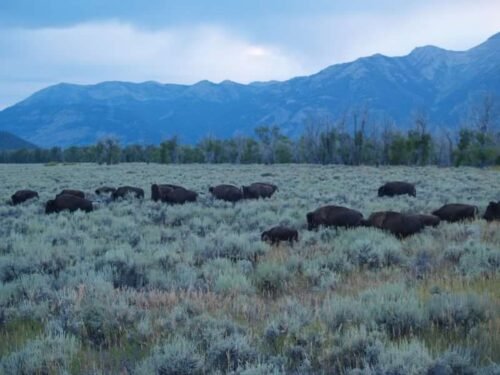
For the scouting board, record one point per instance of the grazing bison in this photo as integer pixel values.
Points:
(229, 193)
(68, 202)
(280, 233)
(334, 216)
(172, 194)
(429, 220)
(258, 190)
(492, 211)
(105, 190)
(157, 191)
(76, 193)
(123, 191)
(400, 225)
(456, 212)
(21, 196)
(391, 189)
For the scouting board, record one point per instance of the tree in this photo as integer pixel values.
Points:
(169, 151)
(108, 151)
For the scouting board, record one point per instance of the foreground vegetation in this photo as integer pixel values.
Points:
(141, 287)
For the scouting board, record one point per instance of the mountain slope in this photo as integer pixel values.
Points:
(438, 81)
(9, 142)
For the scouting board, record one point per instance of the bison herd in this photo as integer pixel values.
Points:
(399, 224)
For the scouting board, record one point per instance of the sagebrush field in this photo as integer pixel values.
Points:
(140, 287)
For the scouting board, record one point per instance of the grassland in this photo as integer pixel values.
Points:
(141, 287)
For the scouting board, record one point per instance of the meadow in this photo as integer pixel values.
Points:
(138, 287)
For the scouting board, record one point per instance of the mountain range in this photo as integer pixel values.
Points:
(10, 142)
(440, 82)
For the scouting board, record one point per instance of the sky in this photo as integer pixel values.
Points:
(44, 42)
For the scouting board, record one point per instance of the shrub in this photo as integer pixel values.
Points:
(410, 358)
(178, 357)
(356, 348)
(44, 355)
(453, 362)
(271, 278)
(343, 312)
(206, 330)
(460, 310)
(394, 308)
(229, 353)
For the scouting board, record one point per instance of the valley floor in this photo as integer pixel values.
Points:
(143, 287)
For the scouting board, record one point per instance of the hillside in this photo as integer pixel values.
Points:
(9, 142)
(439, 81)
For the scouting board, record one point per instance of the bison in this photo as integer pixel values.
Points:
(334, 216)
(492, 211)
(68, 202)
(76, 193)
(400, 225)
(456, 212)
(258, 190)
(105, 190)
(123, 191)
(21, 196)
(172, 194)
(429, 220)
(157, 191)
(280, 233)
(391, 189)
(229, 193)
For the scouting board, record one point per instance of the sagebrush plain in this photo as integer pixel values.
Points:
(141, 287)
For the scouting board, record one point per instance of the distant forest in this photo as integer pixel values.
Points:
(322, 142)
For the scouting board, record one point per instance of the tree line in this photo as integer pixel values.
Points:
(352, 140)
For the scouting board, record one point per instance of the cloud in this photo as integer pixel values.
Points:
(261, 45)
(93, 52)
(329, 38)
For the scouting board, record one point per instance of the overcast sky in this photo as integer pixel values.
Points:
(43, 42)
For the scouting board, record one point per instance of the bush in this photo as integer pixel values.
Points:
(394, 308)
(271, 278)
(44, 355)
(407, 358)
(229, 353)
(453, 362)
(449, 310)
(356, 348)
(178, 357)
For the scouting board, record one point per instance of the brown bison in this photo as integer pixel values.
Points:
(280, 233)
(157, 191)
(104, 190)
(400, 225)
(258, 190)
(76, 193)
(456, 212)
(429, 220)
(492, 211)
(391, 189)
(123, 191)
(21, 196)
(172, 194)
(334, 216)
(229, 193)
(68, 202)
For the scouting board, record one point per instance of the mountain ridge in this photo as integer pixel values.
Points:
(11, 142)
(440, 81)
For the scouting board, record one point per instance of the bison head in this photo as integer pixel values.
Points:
(492, 211)
(265, 236)
(155, 193)
(50, 206)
